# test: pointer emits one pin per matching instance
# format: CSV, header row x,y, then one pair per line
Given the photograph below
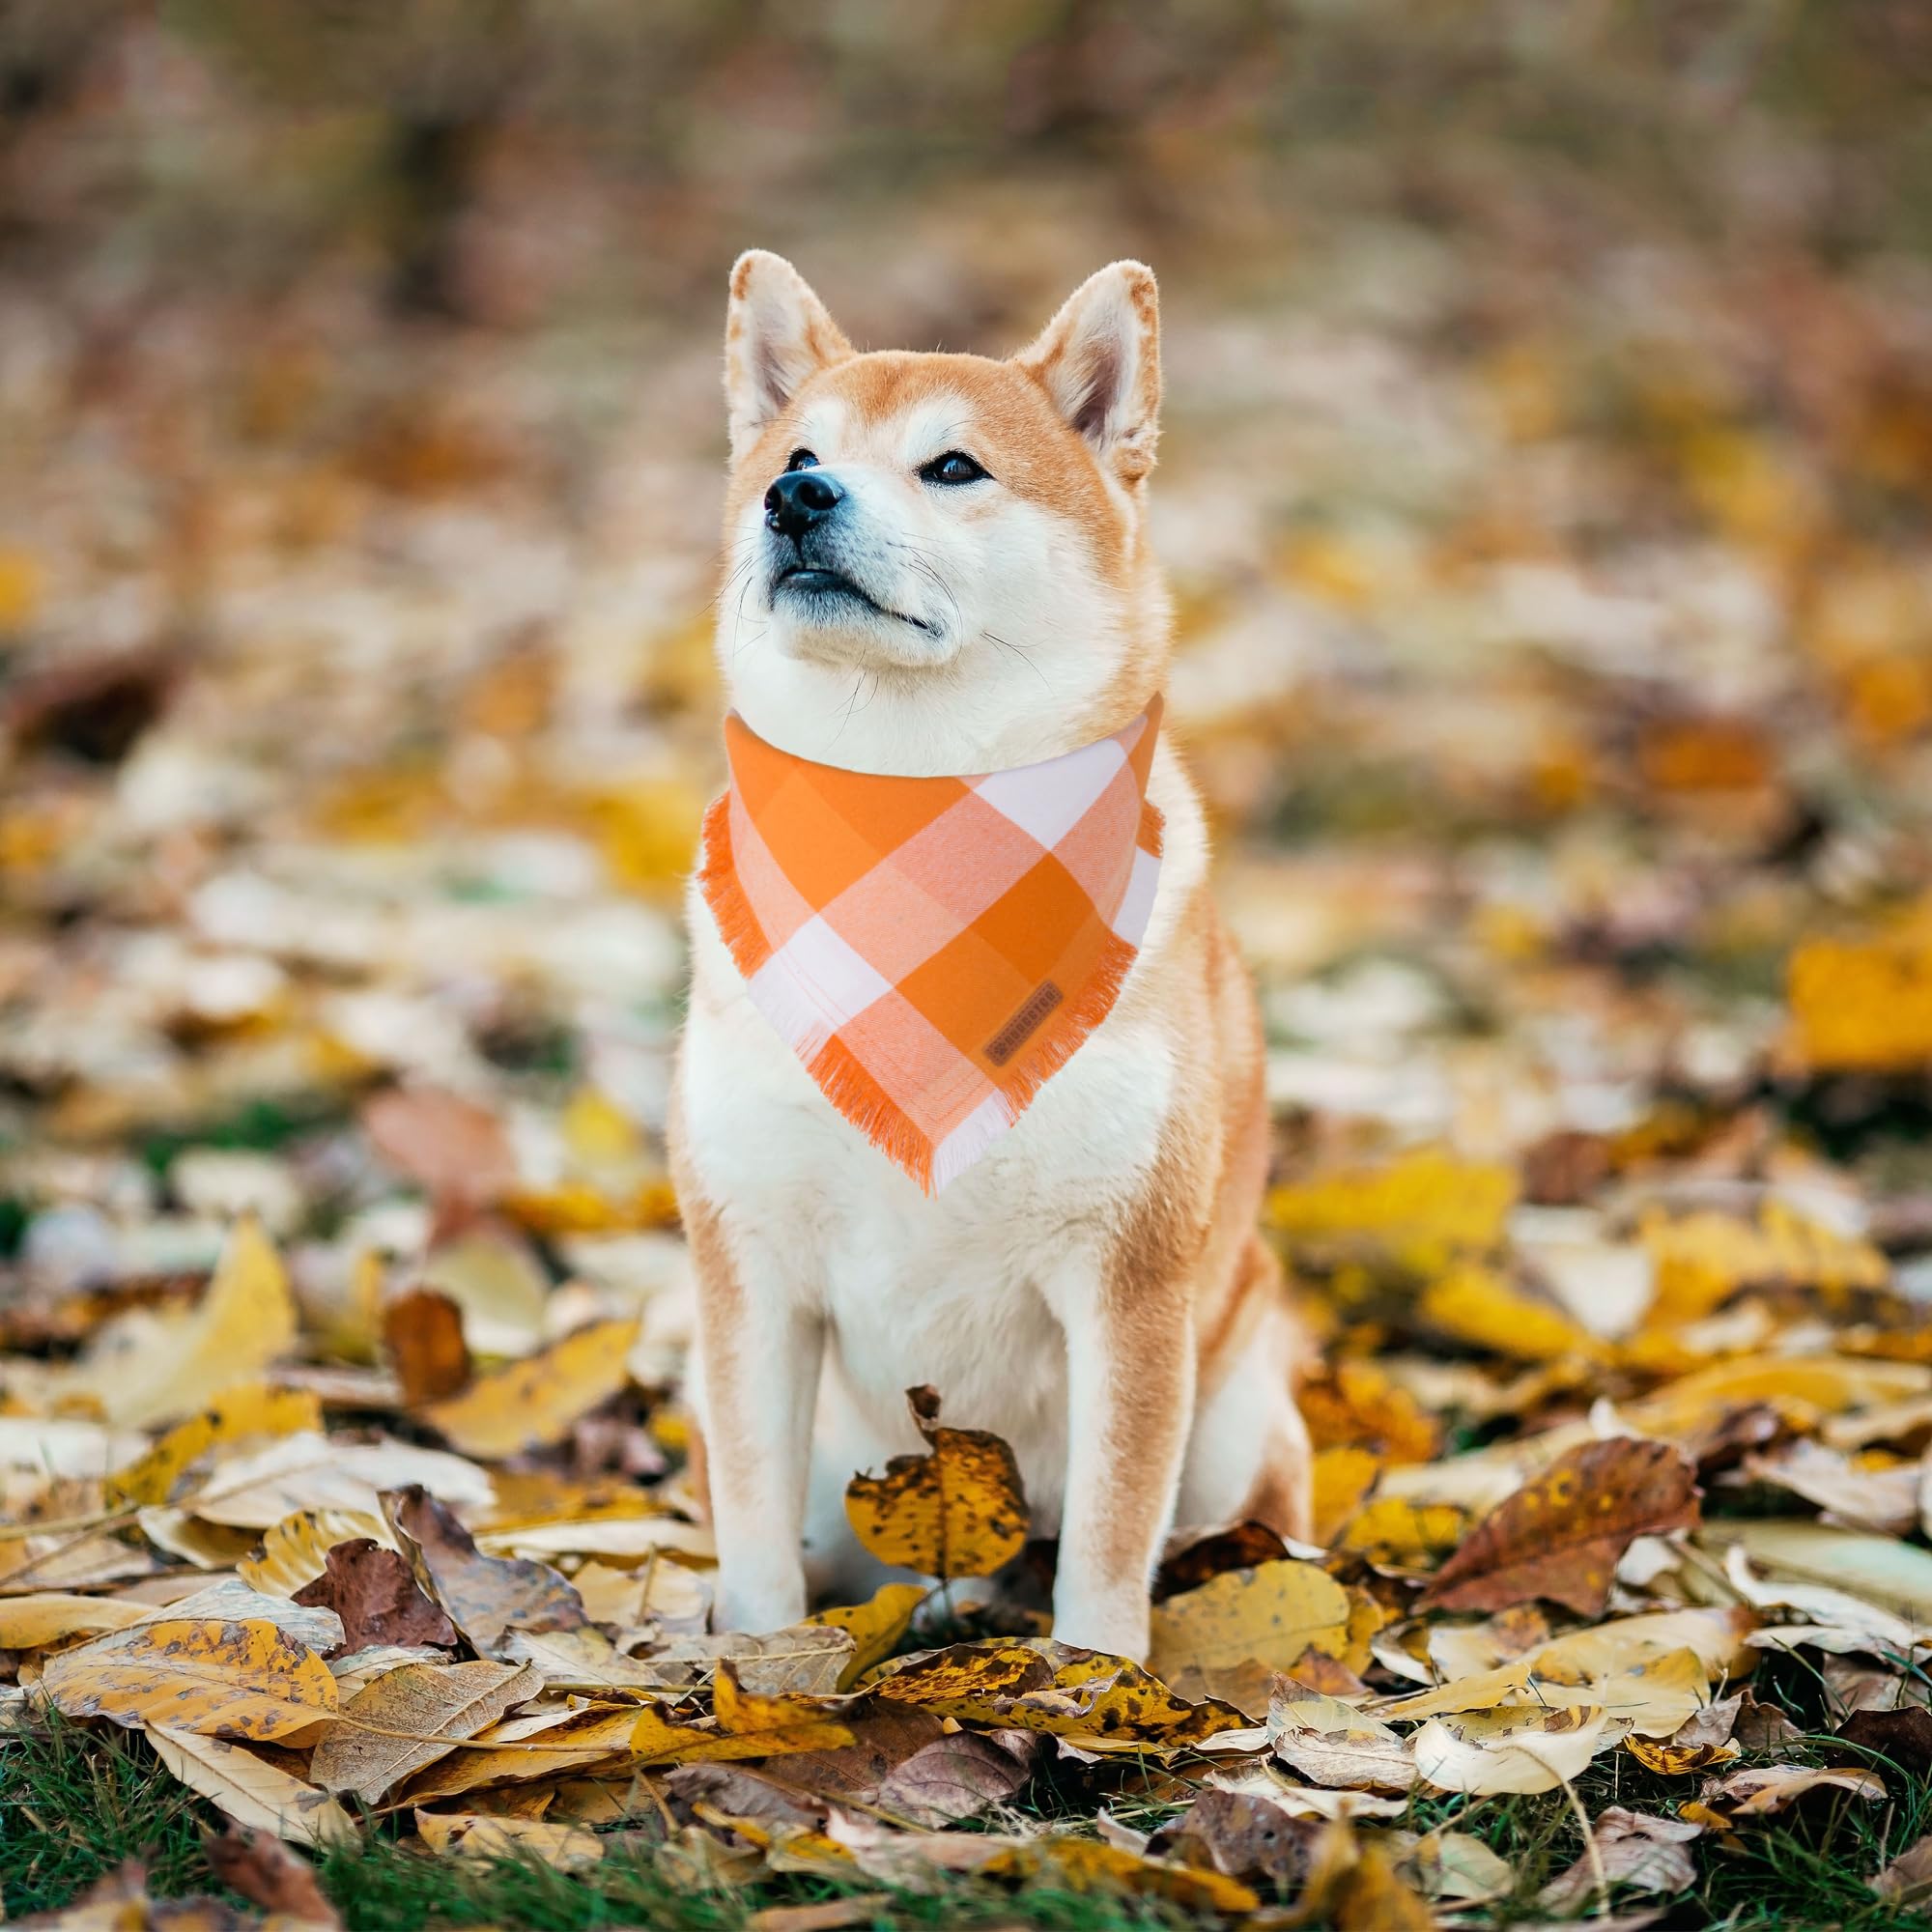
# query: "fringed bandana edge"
x,y
935,949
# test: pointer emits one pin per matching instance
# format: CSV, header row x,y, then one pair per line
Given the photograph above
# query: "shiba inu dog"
x,y
938,565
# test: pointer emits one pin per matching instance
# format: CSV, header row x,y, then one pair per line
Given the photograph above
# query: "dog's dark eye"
x,y
801,459
954,467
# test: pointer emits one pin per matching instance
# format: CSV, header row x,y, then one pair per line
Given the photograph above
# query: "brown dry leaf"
x,y
51,1616
251,1790
1764,1791
957,1511
956,1777
1336,1745
1902,1738
1245,1836
1632,1847
257,1865
375,1593
1850,1494
422,1340
412,1717
296,1549
254,1408
810,1658
746,1726
1523,1748
478,1835
1907,1881
216,1679
1560,1535
486,1596
456,1150
534,1403
312,1472
245,1320
1268,1615
876,1627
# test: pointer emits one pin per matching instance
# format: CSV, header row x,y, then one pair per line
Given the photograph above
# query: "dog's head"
x,y
939,563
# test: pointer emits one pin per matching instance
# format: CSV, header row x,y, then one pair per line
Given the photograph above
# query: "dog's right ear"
x,y
777,335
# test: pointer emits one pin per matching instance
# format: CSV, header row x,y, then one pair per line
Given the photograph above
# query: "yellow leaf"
x,y
1863,1006
296,1549
545,1743
252,1408
875,1626
1801,1387
1671,1760
409,1718
1355,1405
1344,1476
1085,1864
1420,1212
1476,1304
218,1679
251,1790
1267,1615
51,1616
1703,1259
747,1726
478,1835
531,1404
957,1511
1406,1537
20,584
245,1322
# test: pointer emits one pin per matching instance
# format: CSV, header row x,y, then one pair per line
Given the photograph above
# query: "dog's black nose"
x,y
800,498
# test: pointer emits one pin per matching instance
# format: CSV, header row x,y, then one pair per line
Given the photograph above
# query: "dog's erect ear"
x,y
777,335
1099,360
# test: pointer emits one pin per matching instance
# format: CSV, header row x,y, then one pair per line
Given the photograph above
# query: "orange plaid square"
x,y
935,949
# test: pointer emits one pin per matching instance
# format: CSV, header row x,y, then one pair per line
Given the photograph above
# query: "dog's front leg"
x,y
762,1349
1130,1401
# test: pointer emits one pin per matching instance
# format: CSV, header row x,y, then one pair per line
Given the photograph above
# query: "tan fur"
x,y
1186,1307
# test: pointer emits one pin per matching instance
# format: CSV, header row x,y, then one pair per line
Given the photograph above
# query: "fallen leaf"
x,y
262,1869
533,1403
875,1627
1678,1760
1268,1615
1764,1791
486,1596
1907,1881
296,1549
453,1148
245,1320
422,1340
537,1744
251,1790
1632,1848
412,1717
229,1600
310,1472
1519,1749
1901,1738
1881,1499
1343,1477
1479,1305
224,1679
957,1510
51,1616
254,1408
375,1593
1560,1535
956,1777
811,1658
1335,1746
746,1726
567,1848
1245,1837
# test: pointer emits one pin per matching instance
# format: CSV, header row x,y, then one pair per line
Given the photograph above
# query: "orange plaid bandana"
x,y
935,949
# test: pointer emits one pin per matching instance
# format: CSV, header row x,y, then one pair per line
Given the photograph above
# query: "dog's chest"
x,y
946,1289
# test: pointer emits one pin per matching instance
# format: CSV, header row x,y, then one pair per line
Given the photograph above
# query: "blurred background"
x,y
1546,486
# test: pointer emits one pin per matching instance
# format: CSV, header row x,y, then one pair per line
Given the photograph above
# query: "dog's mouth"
x,y
814,582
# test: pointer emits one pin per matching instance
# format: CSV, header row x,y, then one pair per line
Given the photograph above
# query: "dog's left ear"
x,y
777,335
1100,362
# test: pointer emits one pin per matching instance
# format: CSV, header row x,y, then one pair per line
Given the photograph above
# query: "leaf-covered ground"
x,y
1546,485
